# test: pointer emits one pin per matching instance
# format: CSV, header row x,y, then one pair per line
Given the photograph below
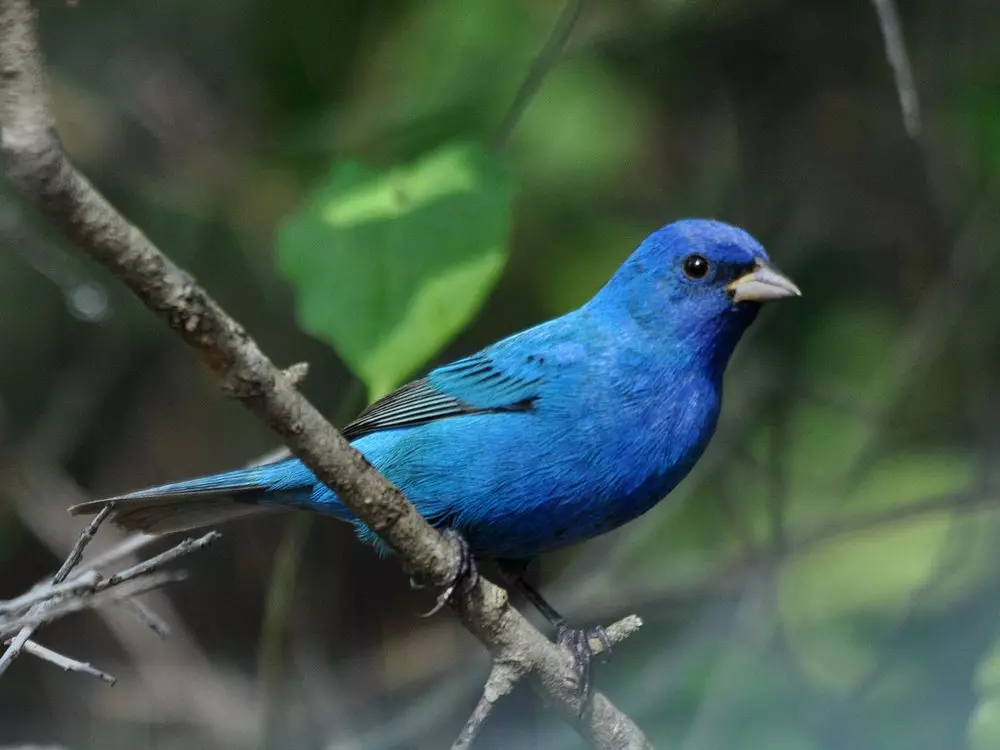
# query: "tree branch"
x,y
546,59
66,663
899,61
89,589
27,629
37,164
504,676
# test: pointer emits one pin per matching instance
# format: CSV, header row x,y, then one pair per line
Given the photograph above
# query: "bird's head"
x,y
696,284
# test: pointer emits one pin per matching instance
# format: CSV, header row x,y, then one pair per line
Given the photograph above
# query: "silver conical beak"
x,y
763,284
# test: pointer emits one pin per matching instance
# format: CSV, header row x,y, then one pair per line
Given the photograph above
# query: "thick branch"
x,y
39,167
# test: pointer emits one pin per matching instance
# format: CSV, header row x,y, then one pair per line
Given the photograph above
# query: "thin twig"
x,y
899,60
185,547
65,662
116,554
83,582
71,561
297,373
543,63
86,537
15,646
504,675
89,590
147,617
54,610
40,490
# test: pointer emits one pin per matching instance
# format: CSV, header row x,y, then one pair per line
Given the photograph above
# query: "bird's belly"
x,y
517,489
522,497
537,519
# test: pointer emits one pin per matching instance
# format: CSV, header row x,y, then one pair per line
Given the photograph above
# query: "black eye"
x,y
696,267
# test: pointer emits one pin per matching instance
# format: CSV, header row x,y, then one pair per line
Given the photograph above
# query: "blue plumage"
x,y
551,436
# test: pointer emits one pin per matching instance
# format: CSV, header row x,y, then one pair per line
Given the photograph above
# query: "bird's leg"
x,y
577,640
464,573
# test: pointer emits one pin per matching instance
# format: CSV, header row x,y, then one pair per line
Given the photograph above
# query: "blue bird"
x,y
549,437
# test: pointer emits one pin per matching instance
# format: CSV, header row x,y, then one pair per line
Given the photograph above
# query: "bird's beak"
x,y
762,284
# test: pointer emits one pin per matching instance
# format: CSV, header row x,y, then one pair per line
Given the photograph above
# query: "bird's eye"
x,y
696,267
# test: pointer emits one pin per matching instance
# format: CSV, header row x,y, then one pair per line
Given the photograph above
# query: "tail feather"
x,y
205,501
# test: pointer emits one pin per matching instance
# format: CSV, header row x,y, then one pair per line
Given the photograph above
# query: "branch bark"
x,y
39,167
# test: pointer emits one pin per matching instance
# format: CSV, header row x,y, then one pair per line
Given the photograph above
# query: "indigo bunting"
x,y
550,437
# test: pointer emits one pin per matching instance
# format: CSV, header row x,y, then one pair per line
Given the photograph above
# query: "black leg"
x,y
537,600
577,640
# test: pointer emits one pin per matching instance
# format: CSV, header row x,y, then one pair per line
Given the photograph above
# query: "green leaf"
x,y
388,265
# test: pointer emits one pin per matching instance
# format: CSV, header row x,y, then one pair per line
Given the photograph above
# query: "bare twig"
x,y
153,564
18,643
44,602
118,553
86,537
65,662
83,582
38,166
88,590
540,67
899,60
297,373
224,707
62,607
147,617
505,675
15,646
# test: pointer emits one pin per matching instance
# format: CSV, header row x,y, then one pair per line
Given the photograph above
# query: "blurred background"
x,y
362,185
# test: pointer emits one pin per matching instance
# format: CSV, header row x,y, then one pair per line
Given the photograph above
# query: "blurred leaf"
x,y
984,725
482,49
840,599
389,265
582,130
825,595
581,259
980,116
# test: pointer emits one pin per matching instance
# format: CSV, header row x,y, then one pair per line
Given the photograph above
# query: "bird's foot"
x,y
464,574
577,640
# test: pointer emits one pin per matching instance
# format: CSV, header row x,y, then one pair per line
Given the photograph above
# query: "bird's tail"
x,y
206,501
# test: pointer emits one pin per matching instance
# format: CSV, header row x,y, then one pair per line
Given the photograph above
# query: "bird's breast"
x,y
580,473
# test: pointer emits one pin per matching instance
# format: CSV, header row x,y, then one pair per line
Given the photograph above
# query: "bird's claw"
x,y
464,573
577,640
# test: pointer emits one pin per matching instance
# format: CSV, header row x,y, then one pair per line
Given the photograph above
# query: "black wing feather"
x,y
420,402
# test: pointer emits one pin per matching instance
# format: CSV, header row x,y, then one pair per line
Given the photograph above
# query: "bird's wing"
x,y
474,385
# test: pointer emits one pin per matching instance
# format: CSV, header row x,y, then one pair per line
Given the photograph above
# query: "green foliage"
x,y
984,725
388,265
481,52
578,100
657,109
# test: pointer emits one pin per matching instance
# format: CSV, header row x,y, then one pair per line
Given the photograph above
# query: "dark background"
x,y
830,581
